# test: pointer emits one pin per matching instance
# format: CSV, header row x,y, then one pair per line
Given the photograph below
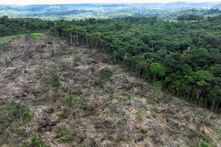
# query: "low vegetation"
x,y
105,74
17,112
36,141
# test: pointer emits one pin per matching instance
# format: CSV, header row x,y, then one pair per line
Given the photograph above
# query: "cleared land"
x,y
58,95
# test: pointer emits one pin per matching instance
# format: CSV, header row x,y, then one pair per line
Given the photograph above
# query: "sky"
x,y
27,2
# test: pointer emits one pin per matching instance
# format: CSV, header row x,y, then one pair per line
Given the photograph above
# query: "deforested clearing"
x,y
54,94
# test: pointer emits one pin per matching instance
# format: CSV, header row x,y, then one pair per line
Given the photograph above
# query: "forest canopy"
x,y
183,55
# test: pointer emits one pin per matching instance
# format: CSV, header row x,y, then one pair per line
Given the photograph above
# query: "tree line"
x,y
183,55
22,25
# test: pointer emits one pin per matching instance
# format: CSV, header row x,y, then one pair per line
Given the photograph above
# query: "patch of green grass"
x,y
206,141
8,38
5,39
61,115
26,117
203,141
143,130
71,99
130,97
35,34
203,145
65,136
138,116
14,105
17,111
36,141
65,53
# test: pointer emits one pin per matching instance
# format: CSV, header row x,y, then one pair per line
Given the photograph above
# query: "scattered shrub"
x,y
15,110
143,130
26,117
36,141
138,116
71,99
105,74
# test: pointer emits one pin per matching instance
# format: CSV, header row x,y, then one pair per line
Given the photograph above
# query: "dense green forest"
x,y
183,56
22,25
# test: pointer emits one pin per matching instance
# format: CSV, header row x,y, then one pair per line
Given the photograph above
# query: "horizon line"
x,y
97,3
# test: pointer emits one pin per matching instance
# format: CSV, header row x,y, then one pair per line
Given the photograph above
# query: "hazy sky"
x,y
24,2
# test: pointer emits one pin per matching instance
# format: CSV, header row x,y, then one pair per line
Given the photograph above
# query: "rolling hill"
x,y
83,11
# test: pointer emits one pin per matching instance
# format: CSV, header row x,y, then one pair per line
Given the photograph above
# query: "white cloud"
x,y
25,2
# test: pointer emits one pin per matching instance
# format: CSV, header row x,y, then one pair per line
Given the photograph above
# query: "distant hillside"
x,y
82,11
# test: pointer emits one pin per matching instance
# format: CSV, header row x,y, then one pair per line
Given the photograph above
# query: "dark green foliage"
x,y
22,25
26,117
105,74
